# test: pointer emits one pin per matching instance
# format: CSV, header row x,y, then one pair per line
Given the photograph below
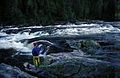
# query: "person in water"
x,y
35,53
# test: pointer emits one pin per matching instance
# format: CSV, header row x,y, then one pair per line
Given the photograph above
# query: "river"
x,y
21,38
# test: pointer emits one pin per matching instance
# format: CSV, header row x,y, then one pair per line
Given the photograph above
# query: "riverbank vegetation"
x,y
36,12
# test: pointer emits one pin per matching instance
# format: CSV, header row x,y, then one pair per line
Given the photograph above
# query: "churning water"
x,y
21,38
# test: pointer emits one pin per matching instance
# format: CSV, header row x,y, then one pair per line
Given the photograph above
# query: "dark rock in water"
x,y
18,60
88,46
7,71
11,31
60,46
4,53
79,23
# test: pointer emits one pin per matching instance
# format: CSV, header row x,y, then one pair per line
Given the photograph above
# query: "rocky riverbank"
x,y
73,51
84,62
7,71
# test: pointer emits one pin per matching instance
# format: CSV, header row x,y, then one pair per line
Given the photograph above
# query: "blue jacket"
x,y
35,51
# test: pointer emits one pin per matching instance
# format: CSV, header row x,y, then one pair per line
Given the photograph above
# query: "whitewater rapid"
x,y
14,38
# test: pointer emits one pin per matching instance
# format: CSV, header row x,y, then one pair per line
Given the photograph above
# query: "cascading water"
x,y
22,38
93,46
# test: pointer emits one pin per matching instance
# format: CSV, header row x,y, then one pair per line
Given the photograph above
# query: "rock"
x,y
4,53
75,65
70,64
79,23
110,45
46,74
7,71
90,46
117,45
60,46
40,72
108,26
55,46
87,46
18,60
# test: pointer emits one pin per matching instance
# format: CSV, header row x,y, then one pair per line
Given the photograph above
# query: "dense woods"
x,y
36,12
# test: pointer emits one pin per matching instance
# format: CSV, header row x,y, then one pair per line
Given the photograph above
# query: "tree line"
x,y
31,12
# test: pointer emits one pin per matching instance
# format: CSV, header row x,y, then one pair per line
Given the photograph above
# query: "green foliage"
x,y
117,15
49,11
30,2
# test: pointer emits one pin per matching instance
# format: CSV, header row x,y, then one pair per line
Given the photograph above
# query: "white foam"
x,y
33,27
72,31
40,33
73,25
97,29
3,34
14,28
7,44
13,40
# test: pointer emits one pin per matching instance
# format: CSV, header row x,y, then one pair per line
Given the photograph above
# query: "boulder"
x,y
87,46
75,65
90,46
60,46
7,71
4,53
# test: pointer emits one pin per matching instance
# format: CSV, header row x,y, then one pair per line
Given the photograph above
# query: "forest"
x,y
59,38
45,12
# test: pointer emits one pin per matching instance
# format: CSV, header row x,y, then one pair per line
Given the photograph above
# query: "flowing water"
x,y
21,38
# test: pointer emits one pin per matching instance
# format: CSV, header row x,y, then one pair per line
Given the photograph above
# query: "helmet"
x,y
35,44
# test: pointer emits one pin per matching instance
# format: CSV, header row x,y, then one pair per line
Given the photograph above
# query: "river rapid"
x,y
59,38
79,50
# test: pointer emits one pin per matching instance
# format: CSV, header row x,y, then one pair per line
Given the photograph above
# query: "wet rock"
x,y
87,46
56,46
4,53
18,60
7,71
72,65
110,45
108,26
117,45
79,23
46,74
75,65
